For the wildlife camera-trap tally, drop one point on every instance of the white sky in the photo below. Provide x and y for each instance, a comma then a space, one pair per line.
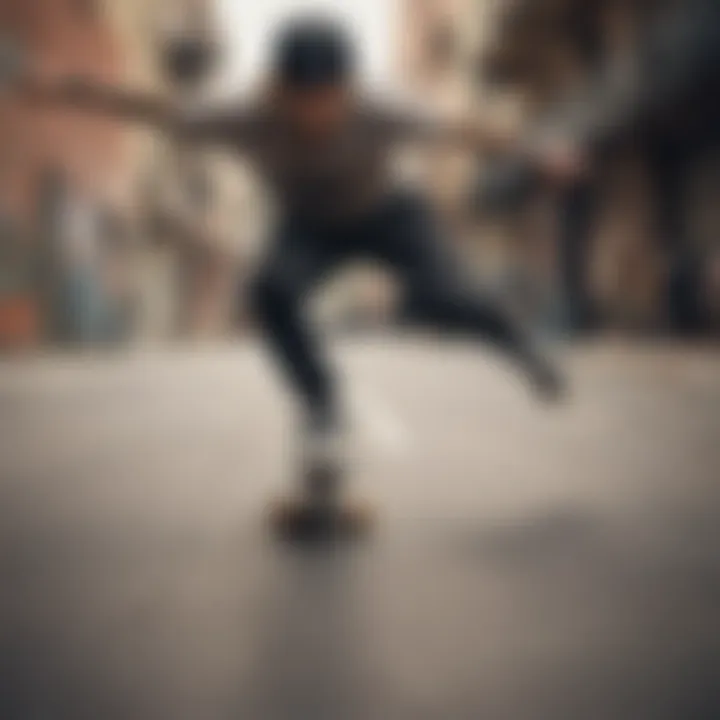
249, 26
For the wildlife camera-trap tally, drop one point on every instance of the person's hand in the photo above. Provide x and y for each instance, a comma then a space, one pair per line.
560, 160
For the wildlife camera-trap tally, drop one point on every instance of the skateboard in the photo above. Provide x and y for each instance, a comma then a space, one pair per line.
320, 510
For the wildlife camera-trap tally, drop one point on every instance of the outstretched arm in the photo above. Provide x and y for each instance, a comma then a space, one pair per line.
89, 96
415, 127
549, 153
475, 136
217, 125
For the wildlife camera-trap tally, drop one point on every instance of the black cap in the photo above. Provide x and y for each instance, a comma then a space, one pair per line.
314, 51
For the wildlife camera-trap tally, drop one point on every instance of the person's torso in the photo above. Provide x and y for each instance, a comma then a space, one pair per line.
326, 178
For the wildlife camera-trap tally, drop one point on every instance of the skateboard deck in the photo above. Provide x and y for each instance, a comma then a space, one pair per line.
320, 509
297, 519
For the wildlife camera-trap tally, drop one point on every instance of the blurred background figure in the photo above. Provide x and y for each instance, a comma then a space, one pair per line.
200, 204
78, 306
633, 82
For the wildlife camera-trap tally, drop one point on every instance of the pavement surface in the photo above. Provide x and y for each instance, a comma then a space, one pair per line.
528, 562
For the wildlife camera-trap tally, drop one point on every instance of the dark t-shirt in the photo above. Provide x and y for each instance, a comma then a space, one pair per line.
323, 179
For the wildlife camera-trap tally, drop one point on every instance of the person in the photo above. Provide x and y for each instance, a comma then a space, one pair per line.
662, 98
322, 146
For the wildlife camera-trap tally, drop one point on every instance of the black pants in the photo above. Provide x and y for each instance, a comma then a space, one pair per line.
401, 235
578, 206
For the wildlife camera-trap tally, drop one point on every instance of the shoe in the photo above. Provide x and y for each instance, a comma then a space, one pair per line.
323, 458
548, 383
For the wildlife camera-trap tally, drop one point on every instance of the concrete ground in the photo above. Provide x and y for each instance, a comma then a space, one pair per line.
528, 563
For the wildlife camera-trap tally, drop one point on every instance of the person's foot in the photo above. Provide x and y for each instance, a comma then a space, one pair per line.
322, 463
322, 484
322, 420
548, 383
323, 432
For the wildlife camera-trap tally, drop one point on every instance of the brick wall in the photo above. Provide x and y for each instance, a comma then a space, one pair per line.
70, 36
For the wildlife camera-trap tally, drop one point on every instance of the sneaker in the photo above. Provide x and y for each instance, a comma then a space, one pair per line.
323, 458
548, 383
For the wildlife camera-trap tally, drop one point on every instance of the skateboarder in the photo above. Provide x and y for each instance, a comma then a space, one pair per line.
322, 147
